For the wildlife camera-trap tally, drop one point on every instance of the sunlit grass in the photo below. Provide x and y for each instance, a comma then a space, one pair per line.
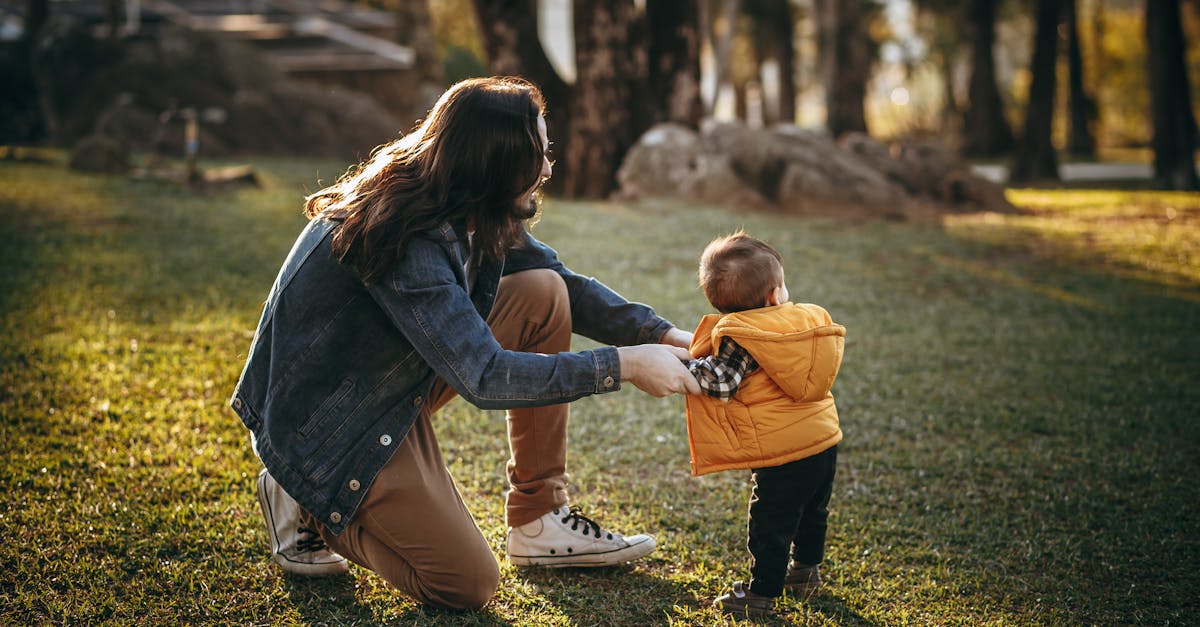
1019, 400
1150, 236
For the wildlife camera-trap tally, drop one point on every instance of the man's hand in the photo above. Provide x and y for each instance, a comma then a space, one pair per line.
657, 370
677, 337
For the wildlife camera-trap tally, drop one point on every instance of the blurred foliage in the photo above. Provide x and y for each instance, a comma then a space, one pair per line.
1123, 93
459, 63
459, 43
1114, 64
1115, 71
456, 31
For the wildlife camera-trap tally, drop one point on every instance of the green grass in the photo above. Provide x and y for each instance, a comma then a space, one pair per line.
1019, 398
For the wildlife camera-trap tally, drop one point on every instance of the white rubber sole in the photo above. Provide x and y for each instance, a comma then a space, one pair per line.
587, 560
307, 569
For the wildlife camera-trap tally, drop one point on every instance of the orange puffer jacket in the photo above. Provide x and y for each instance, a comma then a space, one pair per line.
783, 411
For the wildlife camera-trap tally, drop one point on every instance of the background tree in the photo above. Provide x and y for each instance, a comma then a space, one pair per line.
942, 21
721, 29
674, 53
845, 63
986, 131
773, 24
1081, 108
36, 14
1174, 139
608, 110
594, 122
1035, 158
21, 117
113, 12
513, 47
414, 29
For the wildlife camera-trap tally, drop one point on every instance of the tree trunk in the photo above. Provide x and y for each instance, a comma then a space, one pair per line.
945, 43
1097, 51
950, 112
415, 30
1080, 139
113, 12
846, 64
1035, 158
785, 34
774, 35
609, 106
674, 63
510, 38
722, 45
986, 131
1174, 140
36, 14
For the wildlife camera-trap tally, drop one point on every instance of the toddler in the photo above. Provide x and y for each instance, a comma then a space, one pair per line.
766, 366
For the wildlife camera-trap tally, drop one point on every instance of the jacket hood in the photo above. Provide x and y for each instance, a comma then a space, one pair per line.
798, 346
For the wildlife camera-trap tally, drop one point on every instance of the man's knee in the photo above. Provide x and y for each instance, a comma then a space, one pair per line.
532, 297
481, 586
539, 284
468, 589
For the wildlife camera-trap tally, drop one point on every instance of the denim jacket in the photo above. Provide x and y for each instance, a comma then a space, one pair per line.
338, 369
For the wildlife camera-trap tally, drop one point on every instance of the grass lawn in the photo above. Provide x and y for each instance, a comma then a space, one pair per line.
1019, 396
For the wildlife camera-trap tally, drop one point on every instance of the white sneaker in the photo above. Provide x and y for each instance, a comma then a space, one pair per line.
299, 550
565, 538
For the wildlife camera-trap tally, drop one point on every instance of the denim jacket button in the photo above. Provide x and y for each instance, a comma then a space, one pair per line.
355, 485
237, 403
385, 440
608, 382
418, 401
335, 518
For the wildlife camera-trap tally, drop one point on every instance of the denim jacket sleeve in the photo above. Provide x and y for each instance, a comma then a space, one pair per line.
597, 312
425, 299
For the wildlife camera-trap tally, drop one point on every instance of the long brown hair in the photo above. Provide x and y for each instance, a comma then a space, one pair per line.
471, 159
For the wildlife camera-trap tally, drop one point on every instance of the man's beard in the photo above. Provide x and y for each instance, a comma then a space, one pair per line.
530, 208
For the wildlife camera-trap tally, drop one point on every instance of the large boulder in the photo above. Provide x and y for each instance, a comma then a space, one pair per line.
667, 153
800, 170
882, 158
821, 175
946, 177
785, 167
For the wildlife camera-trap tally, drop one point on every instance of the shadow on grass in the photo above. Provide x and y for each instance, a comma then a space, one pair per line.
327, 600
334, 601
618, 595
835, 608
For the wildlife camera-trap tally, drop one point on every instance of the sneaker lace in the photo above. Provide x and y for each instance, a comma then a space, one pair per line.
309, 540
575, 517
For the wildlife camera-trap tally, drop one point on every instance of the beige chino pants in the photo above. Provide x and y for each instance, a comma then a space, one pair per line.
413, 527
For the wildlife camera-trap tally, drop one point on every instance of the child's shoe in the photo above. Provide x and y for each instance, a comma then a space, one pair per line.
803, 581
741, 600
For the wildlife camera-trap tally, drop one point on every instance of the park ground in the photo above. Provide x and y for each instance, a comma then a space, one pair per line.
1019, 398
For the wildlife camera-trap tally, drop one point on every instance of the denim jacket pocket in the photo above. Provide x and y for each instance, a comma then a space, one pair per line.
315, 422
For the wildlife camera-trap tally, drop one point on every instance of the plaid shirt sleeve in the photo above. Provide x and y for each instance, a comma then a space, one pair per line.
720, 375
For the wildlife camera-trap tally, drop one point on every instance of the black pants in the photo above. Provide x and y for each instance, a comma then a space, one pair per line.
788, 509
